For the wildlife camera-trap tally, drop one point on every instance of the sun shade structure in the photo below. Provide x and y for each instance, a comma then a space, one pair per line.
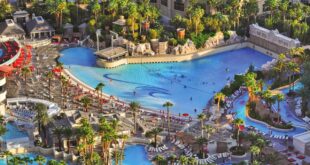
111, 54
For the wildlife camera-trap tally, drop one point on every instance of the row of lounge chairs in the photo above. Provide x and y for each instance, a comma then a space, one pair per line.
279, 137
229, 100
158, 149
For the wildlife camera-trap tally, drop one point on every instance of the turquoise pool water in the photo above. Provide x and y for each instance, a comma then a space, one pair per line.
286, 115
30, 155
12, 132
154, 84
136, 155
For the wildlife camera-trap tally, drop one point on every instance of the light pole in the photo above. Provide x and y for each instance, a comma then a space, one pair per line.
98, 33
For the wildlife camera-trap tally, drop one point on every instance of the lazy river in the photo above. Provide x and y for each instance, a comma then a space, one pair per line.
188, 85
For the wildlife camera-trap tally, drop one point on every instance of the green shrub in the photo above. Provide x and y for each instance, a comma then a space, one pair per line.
181, 42
153, 34
199, 40
173, 42
226, 35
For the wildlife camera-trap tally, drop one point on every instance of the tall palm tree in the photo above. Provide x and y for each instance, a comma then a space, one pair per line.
63, 90
293, 68
43, 119
133, 14
238, 122
95, 9
202, 117
168, 105
250, 82
134, 107
25, 73
254, 151
58, 132
99, 89
183, 160
27, 160
61, 7
201, 142
52, 162
279, 98
49, 75
154, 133
40, 159
219, 97
209, 129
86, 101
7, 155
192, 161
68, 134
16, 160
158, 159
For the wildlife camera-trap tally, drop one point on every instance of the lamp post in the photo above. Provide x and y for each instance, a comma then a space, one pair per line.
98, 33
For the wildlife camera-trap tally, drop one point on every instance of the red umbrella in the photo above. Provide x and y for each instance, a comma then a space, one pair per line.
185, 114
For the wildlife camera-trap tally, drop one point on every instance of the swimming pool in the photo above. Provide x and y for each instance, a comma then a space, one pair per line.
136, 155
13, 132
286, 115
30, 155
188, 85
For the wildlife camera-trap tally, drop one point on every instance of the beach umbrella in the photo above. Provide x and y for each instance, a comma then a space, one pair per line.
185, 114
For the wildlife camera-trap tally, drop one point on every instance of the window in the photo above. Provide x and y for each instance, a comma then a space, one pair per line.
164, 2
179, 5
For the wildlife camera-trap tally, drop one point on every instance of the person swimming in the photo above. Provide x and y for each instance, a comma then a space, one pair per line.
227, 69
191, 98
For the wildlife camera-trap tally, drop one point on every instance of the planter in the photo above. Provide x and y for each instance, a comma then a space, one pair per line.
181, 33
163, 47
154, 45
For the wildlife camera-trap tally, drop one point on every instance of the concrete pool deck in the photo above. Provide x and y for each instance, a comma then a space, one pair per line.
181, 58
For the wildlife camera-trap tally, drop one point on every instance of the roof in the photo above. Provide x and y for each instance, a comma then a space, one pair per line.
304, 137
38, 24
110, 53
121, 21
21, 13
68, 26
9, 27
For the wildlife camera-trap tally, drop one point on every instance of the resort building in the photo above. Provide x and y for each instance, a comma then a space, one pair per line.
11, 28
271, 39
39, 28
21, 17
301, 142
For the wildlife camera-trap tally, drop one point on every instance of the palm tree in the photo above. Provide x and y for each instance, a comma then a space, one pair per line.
209, 129
27, 160
293, 68
67, 131
267, 96
158, 159
5, 9
7, 155
64, 85
172, 159
16, 160
238, 122
58, 132
279, 98
26, 72
134, 107
99, 88
61, 7
168, 105
95, 9
202, 117
192, 161
219, 97
50, 76
153, 133
86, 101
52, 162
250, 82
183, 160
133, 14
201, 142
40, 159
41, 116
197, 14
254, 151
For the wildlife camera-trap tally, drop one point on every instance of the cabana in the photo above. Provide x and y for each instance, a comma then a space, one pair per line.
112, 54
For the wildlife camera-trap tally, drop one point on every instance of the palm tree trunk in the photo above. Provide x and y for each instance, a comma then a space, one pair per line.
68, 145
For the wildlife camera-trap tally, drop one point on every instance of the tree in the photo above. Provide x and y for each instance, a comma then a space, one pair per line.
7, 155
250, 82
172, 159
197, 14
183, 160
219, 97
293, 68
67, 131
251, 9
86, 101
27, 160
202, 117
40, 159
238, 122
58, 132
153, 133
52, 162
201, 142
134, 107
254, 151
268, 97
99, 89
5, 9
49, 76
209, 129
133, 14
168, 105
158, 159
95, 9
192, 161
16, 160
42, 119
25, 73
279, 97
